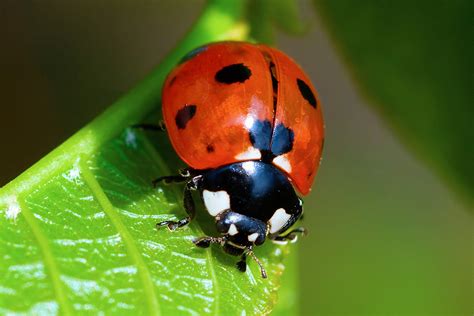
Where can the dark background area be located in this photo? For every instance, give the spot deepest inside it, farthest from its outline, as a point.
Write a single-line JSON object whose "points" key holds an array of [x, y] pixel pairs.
{"points": [[386, 234]]}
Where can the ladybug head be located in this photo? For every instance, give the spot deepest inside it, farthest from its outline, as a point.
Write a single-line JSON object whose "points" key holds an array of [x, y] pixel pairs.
{"points": [[241, 231], [250, 201]]}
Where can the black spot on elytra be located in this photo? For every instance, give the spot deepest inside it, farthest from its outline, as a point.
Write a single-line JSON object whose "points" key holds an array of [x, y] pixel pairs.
{"points": [[271, 142], [193, 54], [282, 140], [184, 115], [260, 135], [307, 93], [233, 73], [210, 148]]}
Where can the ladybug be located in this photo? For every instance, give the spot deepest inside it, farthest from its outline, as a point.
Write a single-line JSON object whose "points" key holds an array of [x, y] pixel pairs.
{"points": [[247, 121]]}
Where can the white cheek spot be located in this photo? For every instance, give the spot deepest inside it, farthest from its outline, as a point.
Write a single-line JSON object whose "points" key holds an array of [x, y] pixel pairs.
{"points": [[282, 162], [250, 153], [278, 220], [232, 230], [252, 237], [216, 202]]}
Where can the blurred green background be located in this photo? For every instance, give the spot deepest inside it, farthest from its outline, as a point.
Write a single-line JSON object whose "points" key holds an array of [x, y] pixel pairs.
{"points": [[387, 235]]}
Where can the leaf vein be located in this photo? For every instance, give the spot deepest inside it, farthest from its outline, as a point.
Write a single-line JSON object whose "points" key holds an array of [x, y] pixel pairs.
{"points": [[49, 261], [195, 228], [109, 209]]}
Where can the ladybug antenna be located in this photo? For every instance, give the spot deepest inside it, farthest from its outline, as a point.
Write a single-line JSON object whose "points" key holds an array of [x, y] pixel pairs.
{"points": [[262, 269]]}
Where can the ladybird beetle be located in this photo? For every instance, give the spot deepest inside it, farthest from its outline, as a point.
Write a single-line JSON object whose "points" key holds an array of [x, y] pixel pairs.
{"points": [[247, 121]]}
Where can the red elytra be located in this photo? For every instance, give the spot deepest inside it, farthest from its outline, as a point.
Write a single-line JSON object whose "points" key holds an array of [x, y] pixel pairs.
{"points": [[214, 96]]}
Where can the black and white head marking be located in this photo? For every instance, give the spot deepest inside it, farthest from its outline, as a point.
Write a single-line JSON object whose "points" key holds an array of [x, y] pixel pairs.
{"points": [[241, 230]]}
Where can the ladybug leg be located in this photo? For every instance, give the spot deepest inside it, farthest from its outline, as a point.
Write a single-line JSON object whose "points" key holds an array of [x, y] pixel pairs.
{"points": [[292, 236], [183, 176], [188, 206], [205, 242], [254, 257], [160, 127], [168, 180], [242, 264]]}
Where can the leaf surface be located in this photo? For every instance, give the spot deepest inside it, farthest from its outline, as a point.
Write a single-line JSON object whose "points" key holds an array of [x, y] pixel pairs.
{"points": [[78, 228]]}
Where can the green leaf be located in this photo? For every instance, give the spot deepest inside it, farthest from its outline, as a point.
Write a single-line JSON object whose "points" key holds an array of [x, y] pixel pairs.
{"points": [[265, 15], [78, 228], [413, 60]]}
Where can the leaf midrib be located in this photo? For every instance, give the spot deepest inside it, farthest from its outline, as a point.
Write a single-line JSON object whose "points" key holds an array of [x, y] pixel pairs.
{"points": [[131, 246]]}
